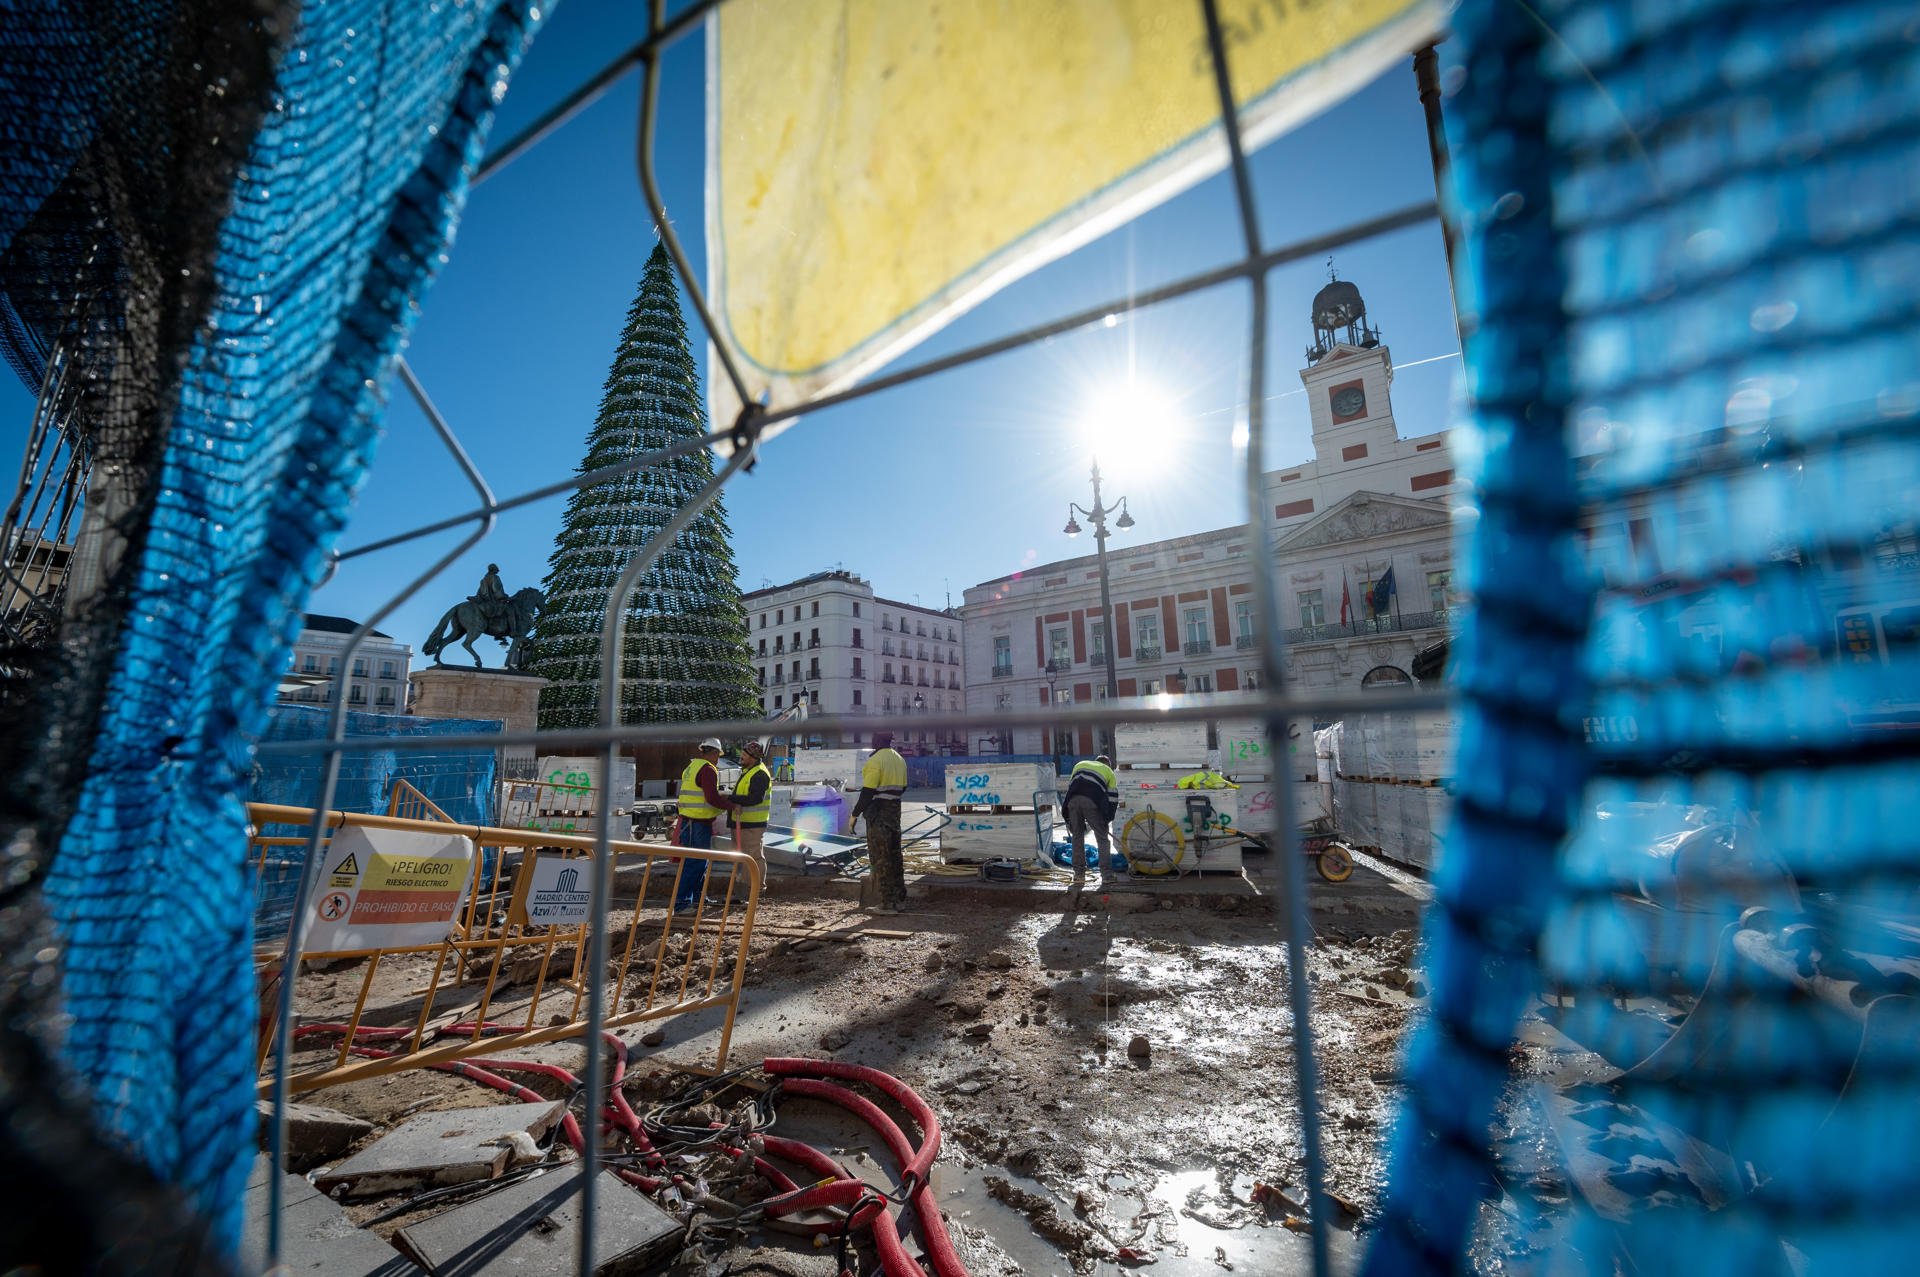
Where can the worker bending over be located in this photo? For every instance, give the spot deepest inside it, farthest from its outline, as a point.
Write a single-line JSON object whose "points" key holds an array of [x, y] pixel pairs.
{"points": [[1093, 796], [882, 783], [700, 802]]}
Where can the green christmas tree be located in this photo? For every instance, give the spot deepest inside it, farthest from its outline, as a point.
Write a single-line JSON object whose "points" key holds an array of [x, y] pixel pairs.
{"points": [[686, 642]]}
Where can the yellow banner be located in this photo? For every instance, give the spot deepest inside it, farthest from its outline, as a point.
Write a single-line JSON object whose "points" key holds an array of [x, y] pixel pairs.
{"points": [[875, 168]]}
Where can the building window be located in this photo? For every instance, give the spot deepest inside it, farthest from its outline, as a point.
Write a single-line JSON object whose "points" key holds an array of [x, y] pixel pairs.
{"points": [[856, 609], [359, 667], [856, 637], [856, 696], [763, 620], [1002, 655], [1200, 683], [1099, 637], [780, 617], [1146, 636], [385, 697], [357, 695], [1440, 589], [1251, 680], [1198, 640], [813, 698], [953, 656], [776, 702], [886, 673], [857, 671], [813, 668], [796, 640], [1058, 652], [386, 667], [1313, 607], [813, 638], [1243, 622], [312, 664], [763, 647], [333, 666], [1152, 687], [816, 607], [886, 704], [1385, 676]]}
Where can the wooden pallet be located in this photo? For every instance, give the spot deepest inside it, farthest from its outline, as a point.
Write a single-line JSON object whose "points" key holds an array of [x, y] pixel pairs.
{"points": [[1002, 809]]}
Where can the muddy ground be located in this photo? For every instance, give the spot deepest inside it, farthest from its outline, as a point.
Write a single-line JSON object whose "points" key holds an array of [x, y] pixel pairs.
{"points": [[1114, 1081]]}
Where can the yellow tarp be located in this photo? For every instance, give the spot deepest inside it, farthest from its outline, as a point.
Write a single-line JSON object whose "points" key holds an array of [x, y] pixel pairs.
{"points": [[877, 167]]}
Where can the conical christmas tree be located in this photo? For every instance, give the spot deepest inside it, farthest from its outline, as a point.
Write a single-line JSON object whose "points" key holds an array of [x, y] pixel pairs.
{"points": [[686, 644]]}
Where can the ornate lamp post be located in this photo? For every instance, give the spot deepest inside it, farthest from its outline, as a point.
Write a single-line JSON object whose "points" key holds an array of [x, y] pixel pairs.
{"points": [[1097, 516]]}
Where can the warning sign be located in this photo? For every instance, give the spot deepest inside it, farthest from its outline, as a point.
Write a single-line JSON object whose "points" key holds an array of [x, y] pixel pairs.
{"points": [[389, 889], [560, 894]]}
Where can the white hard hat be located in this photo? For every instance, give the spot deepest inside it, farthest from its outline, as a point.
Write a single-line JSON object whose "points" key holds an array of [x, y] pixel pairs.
{"points": [[711, 742]]}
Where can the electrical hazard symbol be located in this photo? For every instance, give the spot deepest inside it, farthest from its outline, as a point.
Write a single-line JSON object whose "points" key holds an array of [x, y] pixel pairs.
{"points": [[334, 905], [347, 872]]}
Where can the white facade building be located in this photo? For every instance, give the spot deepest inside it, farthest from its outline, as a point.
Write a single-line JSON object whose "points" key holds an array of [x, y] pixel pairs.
{"points": [[376, 681], [829, 641], [1184, 618]]}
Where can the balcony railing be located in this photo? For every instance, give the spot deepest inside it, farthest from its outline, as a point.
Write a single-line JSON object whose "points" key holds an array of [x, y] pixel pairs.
{"points": [[886, 625], [1246, 642], [1003, 671], [1146, 653], [888, 678], [812, 643], [1098, 656], [1198, 647], [857, 642], [1434, 620], [1059, 665]]}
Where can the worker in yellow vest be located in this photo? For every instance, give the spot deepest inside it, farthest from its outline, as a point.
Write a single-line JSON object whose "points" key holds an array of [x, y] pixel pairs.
{"points": [[700, 803], [882, 783], [753, 796], [1093, 797]]}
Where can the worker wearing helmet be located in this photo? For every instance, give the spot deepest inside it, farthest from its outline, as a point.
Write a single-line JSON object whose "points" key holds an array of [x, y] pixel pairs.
{"points": [[700, 803], [1093, 796], [882, 783], [754, 797]]}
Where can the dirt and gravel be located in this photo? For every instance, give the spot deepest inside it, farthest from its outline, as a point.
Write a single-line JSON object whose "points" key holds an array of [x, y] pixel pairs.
{"points": [[1117, 1083]]}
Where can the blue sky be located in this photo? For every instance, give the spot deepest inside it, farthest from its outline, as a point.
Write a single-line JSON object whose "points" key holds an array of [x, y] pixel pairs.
{"points": [[924, 489]]}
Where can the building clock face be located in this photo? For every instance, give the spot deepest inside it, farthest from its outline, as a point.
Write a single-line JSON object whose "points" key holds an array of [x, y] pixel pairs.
{"points": [[1350, 402]]}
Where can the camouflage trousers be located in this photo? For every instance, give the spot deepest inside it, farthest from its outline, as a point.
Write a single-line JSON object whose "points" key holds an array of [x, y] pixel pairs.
{"points": [[886, 884]]}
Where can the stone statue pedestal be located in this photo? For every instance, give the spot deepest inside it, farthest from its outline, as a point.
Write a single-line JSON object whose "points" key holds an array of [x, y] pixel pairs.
{"points": [[449, 691]]}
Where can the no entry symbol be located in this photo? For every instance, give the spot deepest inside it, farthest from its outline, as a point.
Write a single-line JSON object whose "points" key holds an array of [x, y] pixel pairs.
{"points": [[333, 906]]}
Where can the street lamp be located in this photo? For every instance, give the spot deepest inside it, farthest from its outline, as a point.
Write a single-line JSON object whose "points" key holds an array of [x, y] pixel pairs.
{"points": [[1097, 516]]}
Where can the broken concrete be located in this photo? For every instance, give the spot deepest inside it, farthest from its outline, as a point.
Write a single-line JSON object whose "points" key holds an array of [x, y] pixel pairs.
{"points": [[315, 1135], [533, 1227], [315, 1234], [452, 1146]]}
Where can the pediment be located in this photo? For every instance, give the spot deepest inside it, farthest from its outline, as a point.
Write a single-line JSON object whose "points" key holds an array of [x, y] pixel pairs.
{"points": [[1362, 516]]}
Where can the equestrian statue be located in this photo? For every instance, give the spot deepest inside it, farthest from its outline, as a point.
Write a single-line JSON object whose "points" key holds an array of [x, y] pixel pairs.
{"points": [[489, 613]]}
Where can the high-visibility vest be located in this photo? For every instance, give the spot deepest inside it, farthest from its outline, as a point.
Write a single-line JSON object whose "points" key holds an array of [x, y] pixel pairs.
{"points": [[1207, 779], [1098, 770], [760, 811], [692, 799], [885, 774]]}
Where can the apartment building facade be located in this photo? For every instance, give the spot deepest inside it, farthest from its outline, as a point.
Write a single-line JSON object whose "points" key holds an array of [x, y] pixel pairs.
{"points": [[376, 676], [829, 642]]}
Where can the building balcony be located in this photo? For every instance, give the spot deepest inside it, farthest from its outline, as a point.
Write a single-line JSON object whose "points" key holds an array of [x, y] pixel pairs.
{"points": [[1198, 647], [1059, 665], [923, 681], [857, 642], [888, 678], [1003, 671], [1144, 654], [1098, 656], [1246, 643], [886, 625], [1404, 623], [812, 644], [776, 681]]}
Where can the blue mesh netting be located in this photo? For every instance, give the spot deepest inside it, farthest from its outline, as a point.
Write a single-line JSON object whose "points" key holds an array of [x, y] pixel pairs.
{"points": [[1682, 867], [459, 781], [340, 216]]}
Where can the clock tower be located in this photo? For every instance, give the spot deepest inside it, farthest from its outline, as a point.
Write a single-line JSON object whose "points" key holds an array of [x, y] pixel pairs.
{"points": [[1347, 378]]}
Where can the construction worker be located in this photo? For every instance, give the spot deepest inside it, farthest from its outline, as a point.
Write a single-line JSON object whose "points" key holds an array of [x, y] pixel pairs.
{"points": [[882, 783], [700, 801], [1093, 797], [754, 797], [1208, 777]]}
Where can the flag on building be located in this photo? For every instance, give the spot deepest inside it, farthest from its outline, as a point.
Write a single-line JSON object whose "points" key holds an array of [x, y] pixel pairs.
{"points": [[1346, 600], [1383, 592]]}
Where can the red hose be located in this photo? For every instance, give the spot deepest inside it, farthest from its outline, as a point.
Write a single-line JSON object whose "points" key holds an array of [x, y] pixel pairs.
{"points": [[914, 1164]]}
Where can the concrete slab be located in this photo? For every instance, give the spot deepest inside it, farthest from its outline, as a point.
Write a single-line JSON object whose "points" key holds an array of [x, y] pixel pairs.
{"points": [[452, 1146], [533, 1227], [316, 1236]]}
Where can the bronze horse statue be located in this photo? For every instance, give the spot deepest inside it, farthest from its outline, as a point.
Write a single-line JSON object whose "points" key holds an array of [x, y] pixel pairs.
{"points": [[464, 623]]}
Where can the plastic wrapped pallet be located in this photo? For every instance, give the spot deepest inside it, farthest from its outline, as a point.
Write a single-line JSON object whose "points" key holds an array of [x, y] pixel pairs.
{"points": [[972, 837], [1160, 744], [1001, 784]]}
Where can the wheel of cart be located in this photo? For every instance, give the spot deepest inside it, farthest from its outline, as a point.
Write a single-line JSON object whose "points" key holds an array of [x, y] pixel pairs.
{"points": [[1331, 857], [1152, 843]]}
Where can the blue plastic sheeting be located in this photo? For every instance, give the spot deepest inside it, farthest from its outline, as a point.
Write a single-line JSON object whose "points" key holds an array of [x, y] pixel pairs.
{"points": [[1683, 831], [460, 782], [341, 215]]}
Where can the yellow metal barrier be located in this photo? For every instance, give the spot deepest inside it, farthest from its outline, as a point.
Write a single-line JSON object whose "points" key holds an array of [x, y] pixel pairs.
{"points": [[493, 924]]}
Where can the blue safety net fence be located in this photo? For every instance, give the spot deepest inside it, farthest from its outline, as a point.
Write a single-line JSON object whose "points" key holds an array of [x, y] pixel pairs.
{"points": [[1674, 946], [457, 780], [258, 312]]}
